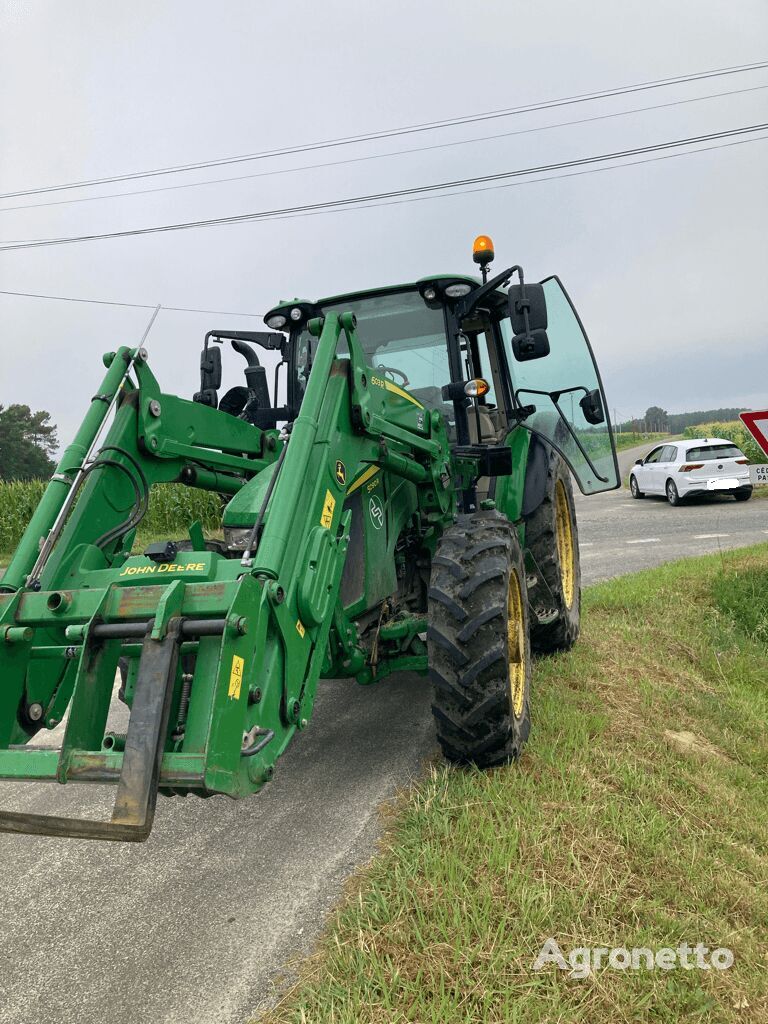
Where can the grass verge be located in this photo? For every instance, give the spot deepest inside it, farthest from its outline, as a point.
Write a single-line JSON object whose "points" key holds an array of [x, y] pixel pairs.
{"points": [[636, 818]]}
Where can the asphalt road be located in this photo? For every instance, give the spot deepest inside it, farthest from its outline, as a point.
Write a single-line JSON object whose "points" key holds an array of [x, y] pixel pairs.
{"points": [[194, 926], [618, 535]]}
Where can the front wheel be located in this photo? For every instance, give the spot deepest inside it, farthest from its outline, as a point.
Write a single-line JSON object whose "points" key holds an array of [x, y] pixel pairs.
{"points": [[673, 496], [479, 651], [552, 539]]}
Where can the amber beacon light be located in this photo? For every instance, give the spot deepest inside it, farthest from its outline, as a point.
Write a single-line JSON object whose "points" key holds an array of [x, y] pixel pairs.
{"points": [[482, 250]]}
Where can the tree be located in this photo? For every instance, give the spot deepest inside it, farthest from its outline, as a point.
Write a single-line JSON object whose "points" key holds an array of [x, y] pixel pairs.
{"points": [[656, 419], [27, 440]]}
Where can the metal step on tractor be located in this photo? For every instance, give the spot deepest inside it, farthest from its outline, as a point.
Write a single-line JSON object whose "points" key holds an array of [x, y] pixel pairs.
{"points": [[408, 508]]}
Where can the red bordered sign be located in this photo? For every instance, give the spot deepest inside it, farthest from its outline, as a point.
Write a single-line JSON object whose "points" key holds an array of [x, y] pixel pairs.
{"points": [[757, 424]]}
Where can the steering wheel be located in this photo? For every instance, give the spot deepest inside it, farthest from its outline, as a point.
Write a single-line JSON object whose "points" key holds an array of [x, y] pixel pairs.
{"points": [[393, 370]]}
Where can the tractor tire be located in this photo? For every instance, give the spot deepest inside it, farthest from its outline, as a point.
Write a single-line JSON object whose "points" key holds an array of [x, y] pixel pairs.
{"points": [[551, 537], [478, 643]]}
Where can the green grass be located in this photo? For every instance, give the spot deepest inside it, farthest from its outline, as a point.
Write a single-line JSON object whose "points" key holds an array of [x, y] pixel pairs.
{"points": [[607, 833]]}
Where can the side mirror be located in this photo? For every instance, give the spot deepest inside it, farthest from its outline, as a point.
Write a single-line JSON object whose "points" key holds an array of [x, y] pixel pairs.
{"points": [[536, 302], [210, 377], [210, 369], [638, 462], [530, 346], [592, 407]]}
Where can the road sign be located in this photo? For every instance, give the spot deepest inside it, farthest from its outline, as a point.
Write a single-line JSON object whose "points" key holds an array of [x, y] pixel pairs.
{"points": [[758, 475], [757, 424]]}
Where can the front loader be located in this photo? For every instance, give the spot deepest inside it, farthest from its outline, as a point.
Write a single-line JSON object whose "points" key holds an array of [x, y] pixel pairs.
{"points": [[408, 507]]}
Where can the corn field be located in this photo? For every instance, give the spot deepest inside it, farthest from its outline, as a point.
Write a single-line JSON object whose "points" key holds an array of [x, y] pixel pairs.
{"points": [[172, 507], [734, 431]]}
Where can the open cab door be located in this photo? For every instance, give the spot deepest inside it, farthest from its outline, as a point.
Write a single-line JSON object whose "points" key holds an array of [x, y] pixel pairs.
{"points": [[556, 384]]}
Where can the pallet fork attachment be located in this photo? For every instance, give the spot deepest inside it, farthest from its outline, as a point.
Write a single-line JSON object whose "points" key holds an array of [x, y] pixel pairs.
{"points": [[134, 808]]}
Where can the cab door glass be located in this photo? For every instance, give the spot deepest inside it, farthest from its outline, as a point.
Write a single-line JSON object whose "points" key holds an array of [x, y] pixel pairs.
{"points": [[557, 385]]}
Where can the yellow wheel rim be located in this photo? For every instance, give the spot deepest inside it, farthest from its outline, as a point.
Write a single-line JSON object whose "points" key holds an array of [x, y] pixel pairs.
{"points": [[516, 645], [565, 548]]}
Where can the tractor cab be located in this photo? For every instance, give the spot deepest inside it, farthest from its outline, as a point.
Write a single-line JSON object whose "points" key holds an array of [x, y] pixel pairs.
{"points": [[489, 356]]}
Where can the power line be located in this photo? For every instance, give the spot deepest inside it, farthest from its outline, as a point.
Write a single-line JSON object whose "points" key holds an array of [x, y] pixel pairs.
{"points": [[384, 156], [354, 201], [414, 199], [132, 305], [396, 132]]}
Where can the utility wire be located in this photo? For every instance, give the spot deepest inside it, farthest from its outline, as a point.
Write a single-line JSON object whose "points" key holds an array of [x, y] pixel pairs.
{"points": [[532, 181], [132, 305], [384, 156], [416, 199], [396, 132], [353, 201]]}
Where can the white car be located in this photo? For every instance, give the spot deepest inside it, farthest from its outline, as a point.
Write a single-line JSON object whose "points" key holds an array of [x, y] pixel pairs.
{"points": [[702, 465]]}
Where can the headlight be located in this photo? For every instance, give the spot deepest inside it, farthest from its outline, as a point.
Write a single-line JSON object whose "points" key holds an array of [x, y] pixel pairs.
{"points": [[296, 313], [430, 294], [277, 322], [455, 291]]}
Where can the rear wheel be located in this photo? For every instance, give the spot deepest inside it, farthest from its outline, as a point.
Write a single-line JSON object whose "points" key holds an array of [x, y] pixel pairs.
{"points": [[479, 652], [635, 487], [743, 495], [552, 538], [673, 497]]}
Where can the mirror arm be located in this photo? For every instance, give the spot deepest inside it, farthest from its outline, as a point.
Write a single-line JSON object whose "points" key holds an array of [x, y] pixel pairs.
{"points": [[469, 302], [555, 401]]}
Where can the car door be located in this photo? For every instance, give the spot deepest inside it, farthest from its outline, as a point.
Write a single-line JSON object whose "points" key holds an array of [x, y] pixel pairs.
{"points": [[648, 474], [664, 467]]}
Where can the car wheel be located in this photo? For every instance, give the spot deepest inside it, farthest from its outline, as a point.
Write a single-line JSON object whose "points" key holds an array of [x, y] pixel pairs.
{"points": [[672, 494], [743, 495], [635, 488]]}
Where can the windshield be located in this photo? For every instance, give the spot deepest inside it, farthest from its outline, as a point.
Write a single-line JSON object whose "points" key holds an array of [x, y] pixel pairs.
{"points": [[401, 337], [557, 385], [710, 452]]}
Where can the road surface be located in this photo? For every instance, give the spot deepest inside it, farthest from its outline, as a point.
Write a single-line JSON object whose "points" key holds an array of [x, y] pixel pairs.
{"points": [[619, 535], [195, 925]]}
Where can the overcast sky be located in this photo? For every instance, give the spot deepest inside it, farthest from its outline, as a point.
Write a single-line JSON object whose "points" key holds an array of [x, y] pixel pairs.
{"points": [[666, 261]]}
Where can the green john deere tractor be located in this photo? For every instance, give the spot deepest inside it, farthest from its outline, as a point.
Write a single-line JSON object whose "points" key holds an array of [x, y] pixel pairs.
{"points": [[409, 507]]}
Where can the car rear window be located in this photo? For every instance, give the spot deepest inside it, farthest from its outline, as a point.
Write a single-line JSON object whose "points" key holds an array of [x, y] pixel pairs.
{"points": [[710, 452]]}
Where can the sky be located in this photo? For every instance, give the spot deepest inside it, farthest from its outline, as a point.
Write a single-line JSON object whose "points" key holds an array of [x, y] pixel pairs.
{"points": [[665, 261]]}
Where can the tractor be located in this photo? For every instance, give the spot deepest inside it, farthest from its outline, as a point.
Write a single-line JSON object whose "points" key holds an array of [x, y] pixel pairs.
{"points": [[408, 507]]}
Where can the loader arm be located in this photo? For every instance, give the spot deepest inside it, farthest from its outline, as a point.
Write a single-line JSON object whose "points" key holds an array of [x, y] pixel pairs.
{"points": [[223, 654]]}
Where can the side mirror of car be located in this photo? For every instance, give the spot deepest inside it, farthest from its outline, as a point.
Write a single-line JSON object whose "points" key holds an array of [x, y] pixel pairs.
{"points": [[592, 407], [638, 462]]}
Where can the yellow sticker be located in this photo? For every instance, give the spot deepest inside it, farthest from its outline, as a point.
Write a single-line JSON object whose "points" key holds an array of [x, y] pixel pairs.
{"points": [[236, 677], [300, 628], [326, 516]]}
